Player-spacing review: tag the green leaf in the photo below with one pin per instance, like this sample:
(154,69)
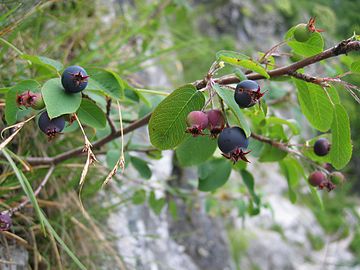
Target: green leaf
(57,101)
(289,168)
(106,81)
(249,182)
(213,174)
(90,114)
(292,124)
(271,154)
(314,45)
(156,204)
(25,185)
(43,61)
(315,105)
(167,124)
(238,59)
(12,109)
(195,150)
(139,197)
(228,97)
(317,197)
(355,66)
(141,166)
(341,148)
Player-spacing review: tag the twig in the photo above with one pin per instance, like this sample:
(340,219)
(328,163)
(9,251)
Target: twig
(36,192)
(342,48)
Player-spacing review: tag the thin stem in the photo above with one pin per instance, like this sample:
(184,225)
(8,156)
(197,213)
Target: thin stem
(154,92)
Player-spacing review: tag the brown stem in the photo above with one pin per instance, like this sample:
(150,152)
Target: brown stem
(342,48)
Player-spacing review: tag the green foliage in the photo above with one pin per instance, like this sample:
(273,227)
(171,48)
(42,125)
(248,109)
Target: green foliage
(57,101)
(167,124)
(314,45)
(193,151)
(90,114)
(213,174)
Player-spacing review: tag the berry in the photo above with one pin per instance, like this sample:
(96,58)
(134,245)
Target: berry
(243,99)
(247,93)
(232,142)
(51,127)
(196,121)
(247,85)
(74,79)
(317,178)
(5,221)
(337,178)
(302,32)
(35,101)
(321,147)
(216,122)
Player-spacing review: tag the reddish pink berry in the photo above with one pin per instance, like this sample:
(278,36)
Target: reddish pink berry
(216,122)
(196,121)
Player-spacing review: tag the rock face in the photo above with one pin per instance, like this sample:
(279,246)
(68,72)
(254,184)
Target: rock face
(13,257)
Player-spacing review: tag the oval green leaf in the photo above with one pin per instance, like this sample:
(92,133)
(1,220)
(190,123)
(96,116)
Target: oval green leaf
(167,124)
(195,150)
(43,61)
(238,59)
(213,174)
(106,81)
(90,114)
(341,148)
(57,101)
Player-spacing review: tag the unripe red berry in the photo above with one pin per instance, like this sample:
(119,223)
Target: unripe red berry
(196,121)
(322,147)
(317,178)
(36,101)
(216,122)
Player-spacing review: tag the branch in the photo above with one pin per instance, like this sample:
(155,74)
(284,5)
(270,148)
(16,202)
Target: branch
(342,48)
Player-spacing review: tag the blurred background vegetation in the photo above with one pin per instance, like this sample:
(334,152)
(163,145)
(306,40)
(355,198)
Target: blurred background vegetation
(130,39)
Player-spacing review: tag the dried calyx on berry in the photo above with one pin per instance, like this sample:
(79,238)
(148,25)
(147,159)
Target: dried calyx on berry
(5,221)
(322,147)
(233,143)
(216,122)
(74,79)
(247,93)
(196,121)
(51,127)
(30,99)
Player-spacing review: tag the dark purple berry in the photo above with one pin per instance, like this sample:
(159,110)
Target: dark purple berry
(196,121)
(216,122)
(317,178)
(51,127)
(243,99)
(5,221)
(337,178)
(321,147)
(232,142)
(74,79)
(247,85)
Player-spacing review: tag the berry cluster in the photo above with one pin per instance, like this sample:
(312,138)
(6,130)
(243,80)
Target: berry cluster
(318,178)
(232,141)
(74,79)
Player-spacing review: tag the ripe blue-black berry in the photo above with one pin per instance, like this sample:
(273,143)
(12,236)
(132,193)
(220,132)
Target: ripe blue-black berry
(74,79)
(216,122)
(196,121)
(247,93)
(51,127)
(321,147)
(232,142)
